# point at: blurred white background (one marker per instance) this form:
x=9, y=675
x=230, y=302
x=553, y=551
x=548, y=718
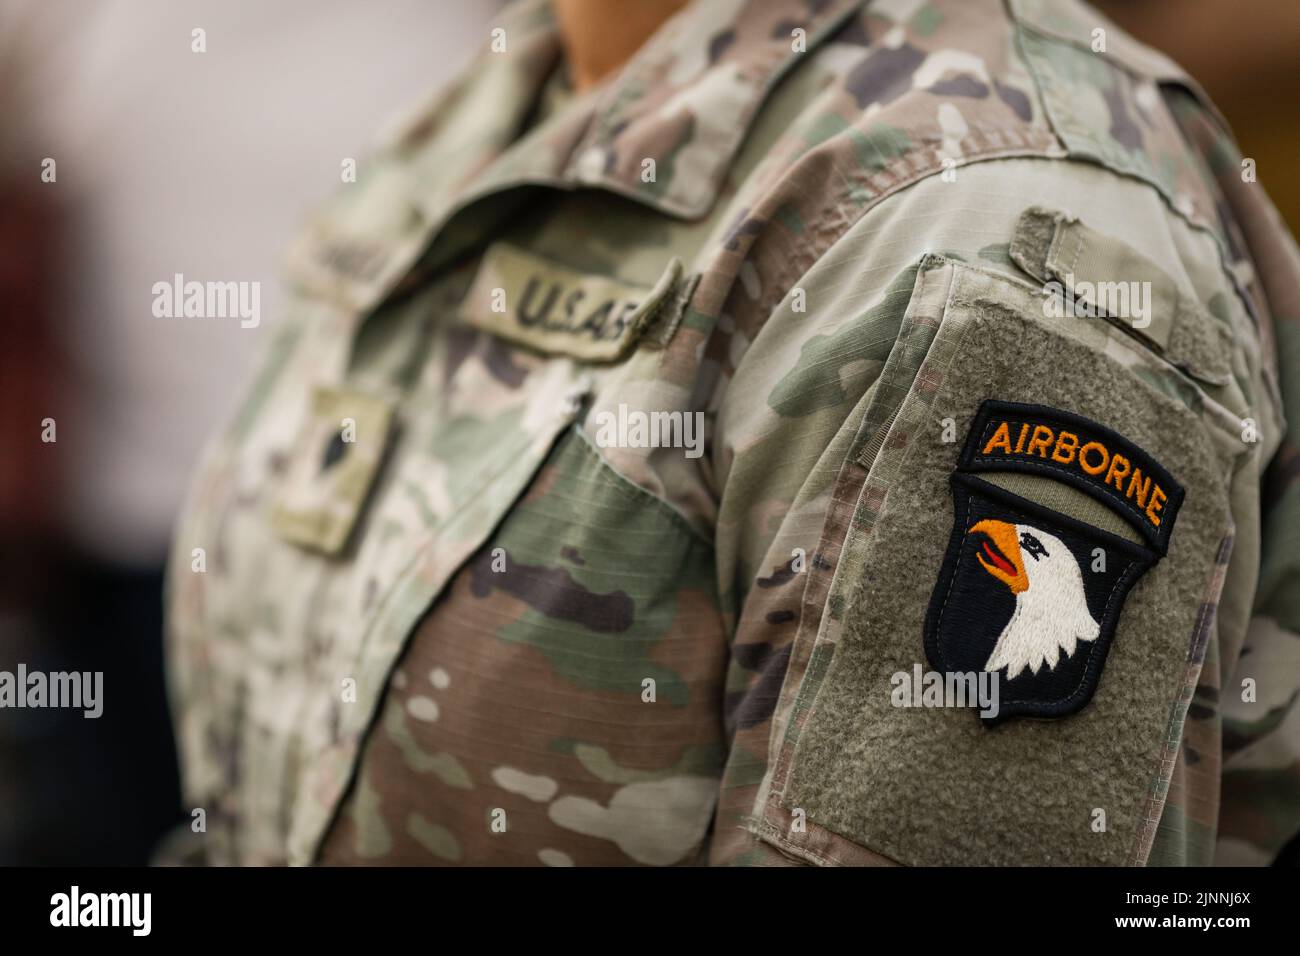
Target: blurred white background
x=199, y=163
x=168, y=161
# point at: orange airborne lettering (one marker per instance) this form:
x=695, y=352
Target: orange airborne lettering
x=1157, y=501
x=1068, y=448
x=1139, y=484
x=1038, y=444
x=1020, y=442
x=1100, y=449
x=1001, y=439
x=1119, y=466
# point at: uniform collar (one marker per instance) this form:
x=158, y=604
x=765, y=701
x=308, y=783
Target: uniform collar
x=687, y=98
x=683, y=103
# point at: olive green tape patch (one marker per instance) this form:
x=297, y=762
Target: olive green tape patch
x=545, y=306
x=333, y=467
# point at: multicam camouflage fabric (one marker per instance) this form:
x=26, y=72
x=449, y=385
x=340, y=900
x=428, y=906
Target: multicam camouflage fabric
x=535, y=646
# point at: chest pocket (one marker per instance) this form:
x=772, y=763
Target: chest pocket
x=559, y=702
x=341, y=516
x=326, y=551
x=448, y=481
x=981, y=487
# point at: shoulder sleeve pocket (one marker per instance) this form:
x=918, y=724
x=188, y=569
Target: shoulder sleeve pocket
x=1014, y=616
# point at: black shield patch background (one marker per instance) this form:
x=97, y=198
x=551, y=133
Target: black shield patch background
x=969, y=607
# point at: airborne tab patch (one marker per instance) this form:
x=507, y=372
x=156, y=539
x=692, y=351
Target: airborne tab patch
x=548, y=307
x=1033, y=592
x=1094, y=459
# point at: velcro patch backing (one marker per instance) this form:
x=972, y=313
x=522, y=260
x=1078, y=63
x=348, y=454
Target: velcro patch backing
x=934, y=785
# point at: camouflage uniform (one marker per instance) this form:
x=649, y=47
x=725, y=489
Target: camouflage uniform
x=424, y=609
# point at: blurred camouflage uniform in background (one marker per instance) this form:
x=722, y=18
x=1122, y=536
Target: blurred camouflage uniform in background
x=424, y=610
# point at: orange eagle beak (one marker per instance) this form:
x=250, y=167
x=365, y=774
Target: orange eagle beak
x=999, y=553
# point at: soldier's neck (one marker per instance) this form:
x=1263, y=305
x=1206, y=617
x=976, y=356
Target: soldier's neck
x=600, y=36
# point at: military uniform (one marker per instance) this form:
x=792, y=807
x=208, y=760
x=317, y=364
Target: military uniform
x=622, y=455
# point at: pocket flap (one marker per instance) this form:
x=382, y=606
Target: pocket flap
x=1104, y=277
x=418, y=558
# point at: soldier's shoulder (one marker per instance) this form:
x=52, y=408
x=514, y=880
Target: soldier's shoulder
x=948, y=106
x=936, y=86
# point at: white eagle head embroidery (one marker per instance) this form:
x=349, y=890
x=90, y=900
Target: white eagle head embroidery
x=1051, y=615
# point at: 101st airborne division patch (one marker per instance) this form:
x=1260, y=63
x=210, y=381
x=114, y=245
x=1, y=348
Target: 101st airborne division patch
x=1031, y=590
